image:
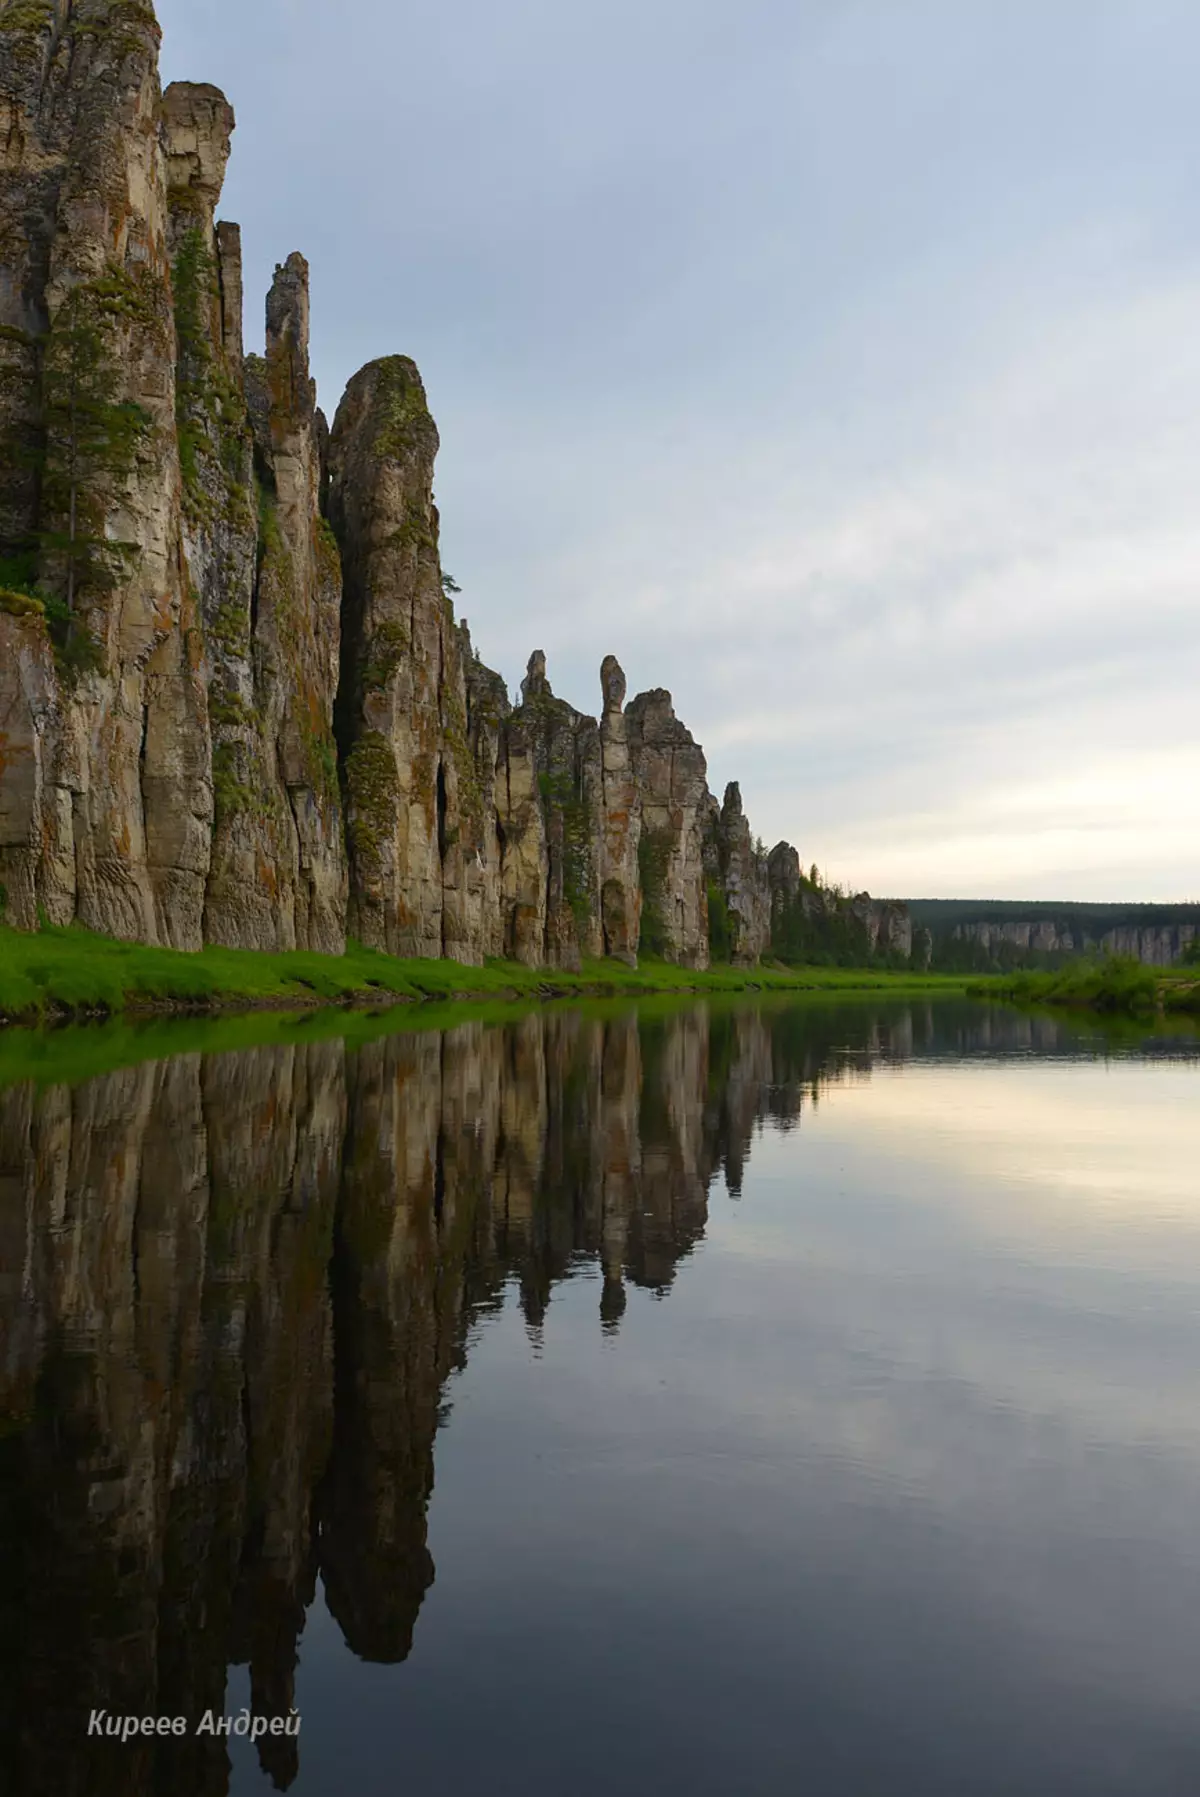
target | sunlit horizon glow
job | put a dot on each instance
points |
(834, 368)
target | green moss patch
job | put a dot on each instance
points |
(372, 793)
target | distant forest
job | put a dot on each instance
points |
(1061, 930)
(1074, 914)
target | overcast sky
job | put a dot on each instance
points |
(834, 363)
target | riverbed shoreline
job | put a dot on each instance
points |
(62, 975)
(1115, 986)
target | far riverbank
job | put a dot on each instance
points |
(1113, 985)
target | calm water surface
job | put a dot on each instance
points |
(706, 1400)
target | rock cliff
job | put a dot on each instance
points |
(966, 935)
(672, 778)
(740, 867)
(235, 704)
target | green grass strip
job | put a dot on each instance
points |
(1117, 984)
(74, 972)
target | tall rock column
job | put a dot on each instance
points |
(219, 512)
(672, 779)
(786, 888)
(744, 876)
(620, 890)
(550, 804)
(297, 614)
(525, 856)
(261, 560)
(482, 865)
(416, 823)
(91, 522)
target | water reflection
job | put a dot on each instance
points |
(232, 1289)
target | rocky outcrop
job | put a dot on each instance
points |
(422, 848)
(122, 795)
(787, 887)
(620, 824)
(37, 867)
(1158, 945)
(963, 935)
(260, 559)
(569, 810)
(889, 928)
(296, 634)
(739, 865)
(551, 818)
(672, 780)
(235, 704)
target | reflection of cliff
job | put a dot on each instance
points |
(232, 1289)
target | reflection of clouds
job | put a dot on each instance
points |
(1011, 1244)
(934, 1314)
(936, 1406)
(1083, 1142)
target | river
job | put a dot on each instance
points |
(715, 1398)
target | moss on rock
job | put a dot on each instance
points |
(372, 792)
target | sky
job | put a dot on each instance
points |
(834, 363)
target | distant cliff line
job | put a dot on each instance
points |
(989, 935)
(236, 706)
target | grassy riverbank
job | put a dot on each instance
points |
(1115, 985)
(72, 972)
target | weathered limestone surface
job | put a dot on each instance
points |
(742, 870)
(421, 848)
(84, 270)
(1158, 945)
(672, 782)
(261, 559)
(34, 809)
(889, 928)
(569, 810)
(487, 708)
(552, 820)
(297, 612)
(784, 880)
(621, 823)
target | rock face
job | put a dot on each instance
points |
(235, 704)
(790, 901)
(120, 791)
(291, 771)
(261, 560)
(1156, 944)
(620, 827)
(551, 811)
(741, 869)
(672, 778)
(963, 935)
(890, 929)
(422, 851)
